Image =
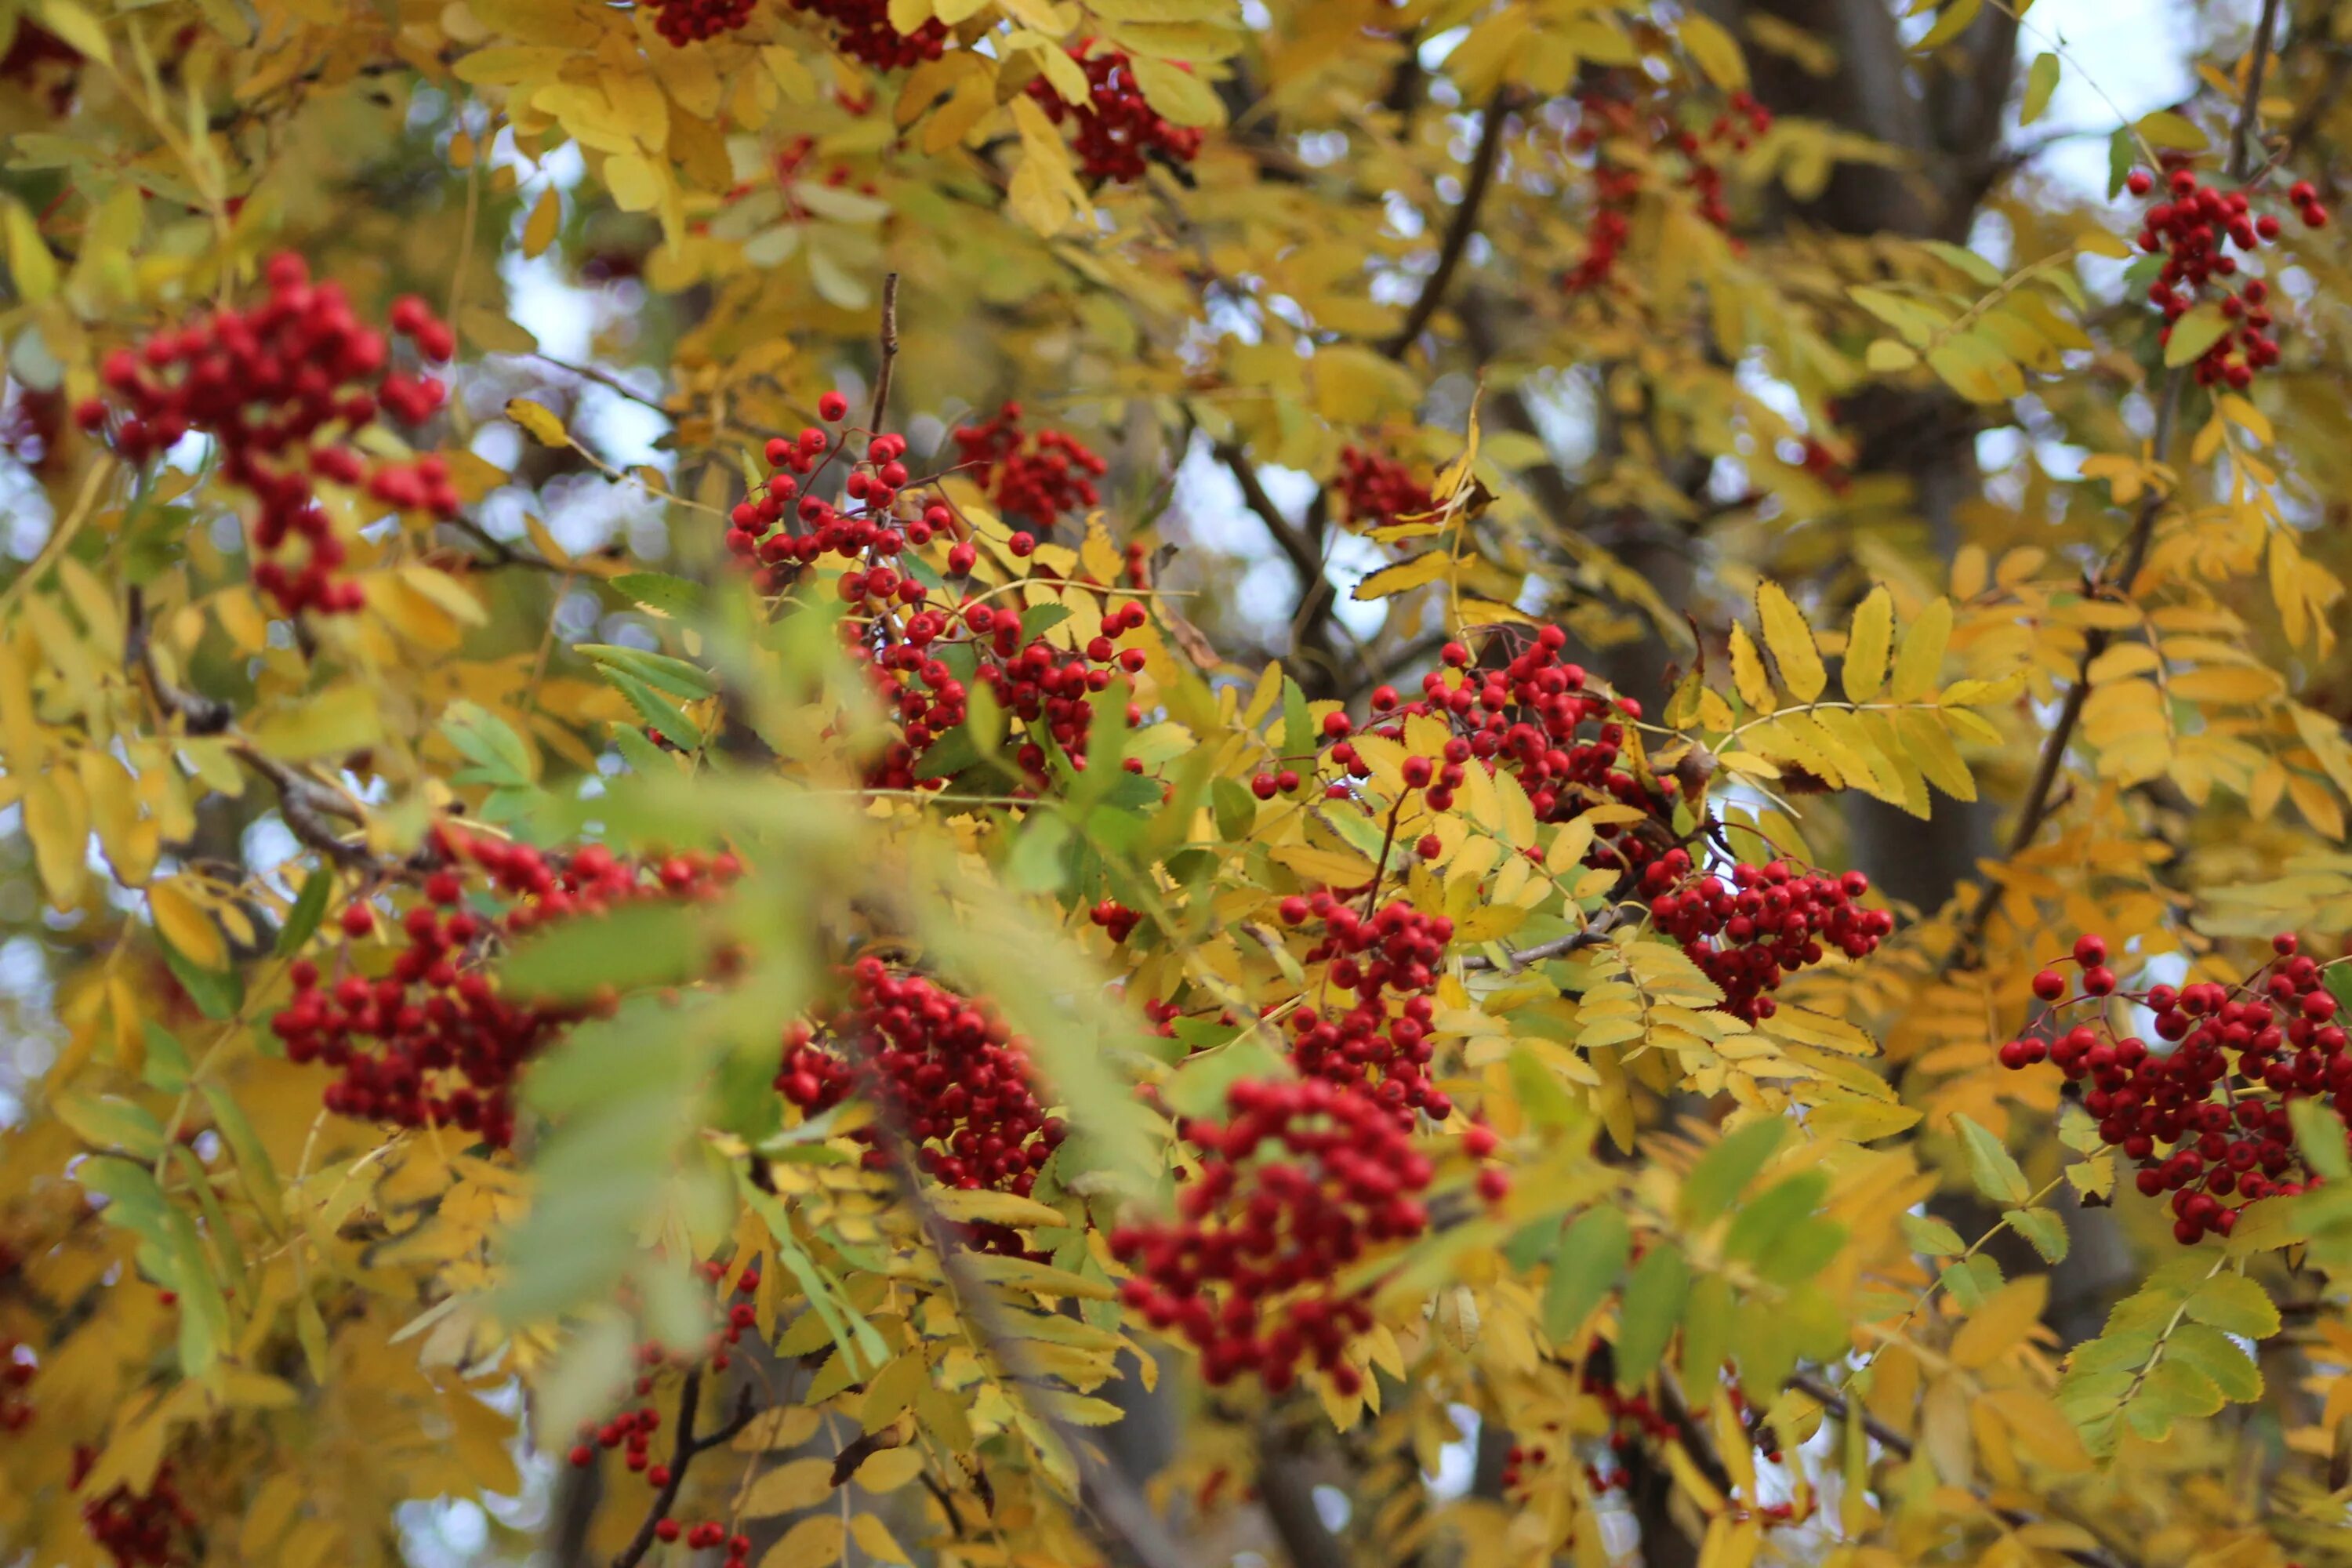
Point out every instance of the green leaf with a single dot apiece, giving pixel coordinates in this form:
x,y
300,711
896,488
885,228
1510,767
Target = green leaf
x,y
109,1122
1762,1223
1233,809
2041,81
255,1169
1808,1248
1585,1267
2319,1133
2221,1358
2235,1305
1197,1087
1933,1236
673,597
2122,154
1996,1174
658,670
2195,333
1039,862
489,743
1652,1308
1724,1172
215,994
2042,1228
949,755
167,1060
637,945
1298,729
310,907
656,711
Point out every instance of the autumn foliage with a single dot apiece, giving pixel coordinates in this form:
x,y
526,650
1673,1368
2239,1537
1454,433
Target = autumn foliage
x,y
1162,783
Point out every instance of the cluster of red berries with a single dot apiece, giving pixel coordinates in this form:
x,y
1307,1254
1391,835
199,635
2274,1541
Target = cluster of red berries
x,y
949,1071
138,1529
632,1430
1116,918
283,391
684,22
1526,714
1035,478
1827,467
1375,491
1633,107
1379,1047
1117,130
1770,922
2206,1120
2193,225
433,1040
863,30
17,1369
1246,1271
1033,683
34,54
786,524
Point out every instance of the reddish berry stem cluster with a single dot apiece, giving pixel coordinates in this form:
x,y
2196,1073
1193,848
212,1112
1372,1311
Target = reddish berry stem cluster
x,y
1034,478
1378,1047
138,1529
1375,491
1118,131
284,391
951,1074
1246,1272
1634,108
2206,1119
434,1039
2193,225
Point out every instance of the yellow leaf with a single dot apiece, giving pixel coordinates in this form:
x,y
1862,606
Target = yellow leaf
x,y
56,819
815,1542
789,1488
1922,658
2195,333
1867,645
1414,571
1179,97
2000,1322
541,422
636,185
1748,672
78,27
29,261
185,925
1716,52
890,1469
874,1537
982,1207
1791,642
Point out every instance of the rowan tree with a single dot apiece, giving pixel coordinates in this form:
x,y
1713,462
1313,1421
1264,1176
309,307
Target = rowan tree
x,y
1171,782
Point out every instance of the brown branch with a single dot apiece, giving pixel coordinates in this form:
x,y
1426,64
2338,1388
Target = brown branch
x,y
604,379
1311,627
2307,119
1594,933
1458,231
2035,808
501,553
682,1454
2248,111
1287,1493
889,346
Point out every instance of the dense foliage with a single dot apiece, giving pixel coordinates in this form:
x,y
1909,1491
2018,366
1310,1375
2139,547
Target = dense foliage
x,y
1169,782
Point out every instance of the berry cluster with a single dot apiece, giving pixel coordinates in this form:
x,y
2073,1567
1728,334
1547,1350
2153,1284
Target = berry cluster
x,y
946,1068
17,1369
1636,109
38,58
1117,130
2206,1120
1260,1241
1034,683
1391,963
2191,227
863,30
786,524
1770,922
1034,478
684,22
434,1040
283,391
632,1430
1375,491
138,1529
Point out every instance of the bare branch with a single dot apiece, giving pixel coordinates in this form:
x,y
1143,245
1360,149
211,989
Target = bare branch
x,y
682,1454
1458,232
1594,933
889,346
2250,110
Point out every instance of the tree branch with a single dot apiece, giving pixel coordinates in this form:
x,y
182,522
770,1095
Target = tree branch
x,y
1288,1494
889,352
2250,110
1594,933
1458,232
2035,807
682,1454
1311,627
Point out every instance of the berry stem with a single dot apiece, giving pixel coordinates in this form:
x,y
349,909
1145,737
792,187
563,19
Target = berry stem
x,y
682,1454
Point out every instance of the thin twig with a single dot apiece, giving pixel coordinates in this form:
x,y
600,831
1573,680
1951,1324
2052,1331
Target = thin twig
x,y
889,352
2250,111
1311,628
2035,808
1458,231
604,379
501,553
682,1454
1594,933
